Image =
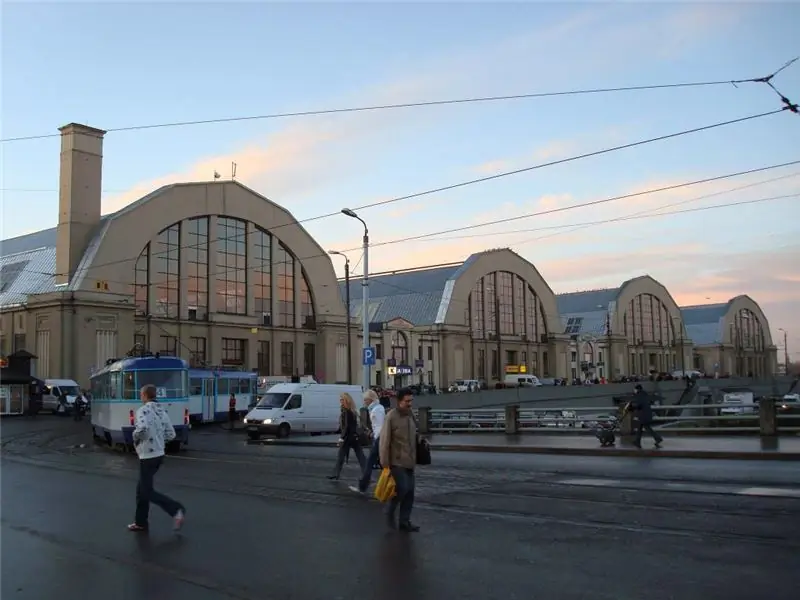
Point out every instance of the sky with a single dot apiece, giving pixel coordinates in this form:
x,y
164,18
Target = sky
x,y
115,64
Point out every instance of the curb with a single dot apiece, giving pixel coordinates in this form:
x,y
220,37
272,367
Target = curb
x,y
618,452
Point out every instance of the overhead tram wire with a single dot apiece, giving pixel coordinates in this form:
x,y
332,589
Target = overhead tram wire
x,y
133,259
579,226
579,205
421,104
637,215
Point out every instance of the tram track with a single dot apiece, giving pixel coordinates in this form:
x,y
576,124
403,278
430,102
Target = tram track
x,y
281,491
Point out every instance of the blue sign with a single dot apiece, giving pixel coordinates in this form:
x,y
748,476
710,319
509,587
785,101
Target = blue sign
x,y
368,356
403,370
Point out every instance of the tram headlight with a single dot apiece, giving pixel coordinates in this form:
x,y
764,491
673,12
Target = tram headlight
x,y
267,421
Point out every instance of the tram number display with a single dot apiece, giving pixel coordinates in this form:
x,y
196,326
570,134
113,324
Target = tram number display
x,y
161,392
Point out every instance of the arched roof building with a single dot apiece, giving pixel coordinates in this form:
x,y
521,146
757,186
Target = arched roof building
x,y
731,337
639,321
212,271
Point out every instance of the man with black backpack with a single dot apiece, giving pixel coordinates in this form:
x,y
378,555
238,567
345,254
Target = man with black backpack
x,y
376,416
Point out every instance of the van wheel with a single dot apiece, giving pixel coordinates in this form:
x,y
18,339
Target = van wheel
x,y
284,430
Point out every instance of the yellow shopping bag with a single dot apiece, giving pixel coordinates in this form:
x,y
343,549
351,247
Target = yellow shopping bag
x,y
385,488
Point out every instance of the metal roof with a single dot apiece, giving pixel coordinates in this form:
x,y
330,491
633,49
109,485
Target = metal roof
x,y
413,295
590,301
704,322
35,275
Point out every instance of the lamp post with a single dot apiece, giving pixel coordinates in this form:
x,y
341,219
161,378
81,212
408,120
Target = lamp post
x,y
347,301
785,351
364,294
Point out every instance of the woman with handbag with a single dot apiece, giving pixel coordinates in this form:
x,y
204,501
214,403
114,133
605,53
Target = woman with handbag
x,y
349,438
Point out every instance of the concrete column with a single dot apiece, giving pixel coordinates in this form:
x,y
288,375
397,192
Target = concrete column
x,y
152,291
767,421
512,419
212,266
424,418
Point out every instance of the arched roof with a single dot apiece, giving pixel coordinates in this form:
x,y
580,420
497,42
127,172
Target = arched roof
x,y
114,249
709,324
585,312
439,294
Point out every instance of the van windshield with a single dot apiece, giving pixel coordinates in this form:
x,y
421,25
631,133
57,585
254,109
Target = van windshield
x,y
69,390
272,401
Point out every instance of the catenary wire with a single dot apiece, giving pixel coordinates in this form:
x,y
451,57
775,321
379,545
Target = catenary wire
x,y
472,227
636,215
421,104
506,174
580,205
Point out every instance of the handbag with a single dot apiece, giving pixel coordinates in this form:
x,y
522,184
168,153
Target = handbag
x,y
423,451
385,489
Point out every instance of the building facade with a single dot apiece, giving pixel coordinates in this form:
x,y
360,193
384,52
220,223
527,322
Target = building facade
x,y
212,272
732,338
217,274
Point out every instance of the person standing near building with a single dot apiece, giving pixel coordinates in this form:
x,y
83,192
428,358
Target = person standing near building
x,y
398,452
152,431
377,414
643,411
232,411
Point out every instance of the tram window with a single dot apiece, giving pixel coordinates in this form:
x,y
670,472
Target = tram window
x,y
169,384
115,385
294,402
129,390
195,387
223,389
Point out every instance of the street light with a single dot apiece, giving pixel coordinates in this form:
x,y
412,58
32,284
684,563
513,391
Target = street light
x,y
364,295
785,351
347,301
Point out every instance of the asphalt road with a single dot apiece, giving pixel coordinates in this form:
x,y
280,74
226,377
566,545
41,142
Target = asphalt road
x,y
264,522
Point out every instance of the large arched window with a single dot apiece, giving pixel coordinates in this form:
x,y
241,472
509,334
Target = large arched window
x,y
504,302
167,259
231,266
241,260
197,264
647,320
262,275
141,282
747,331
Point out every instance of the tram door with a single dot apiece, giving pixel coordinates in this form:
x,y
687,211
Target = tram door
x,y
209,400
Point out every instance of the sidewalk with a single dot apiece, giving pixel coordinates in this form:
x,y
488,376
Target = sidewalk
x,y
741,448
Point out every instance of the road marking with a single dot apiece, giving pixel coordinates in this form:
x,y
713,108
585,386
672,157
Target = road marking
x,y
590,482
768,491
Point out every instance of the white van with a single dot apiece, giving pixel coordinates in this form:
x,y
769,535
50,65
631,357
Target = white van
x,y
299,407
517,380
57,390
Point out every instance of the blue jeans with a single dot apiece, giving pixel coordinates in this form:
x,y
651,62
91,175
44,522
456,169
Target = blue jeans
x,y
366,476
404,483
146,495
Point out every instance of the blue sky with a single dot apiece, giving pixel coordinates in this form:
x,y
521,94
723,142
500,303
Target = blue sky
x,y
118,64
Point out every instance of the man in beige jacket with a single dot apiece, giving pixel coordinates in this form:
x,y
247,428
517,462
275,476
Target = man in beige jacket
x,y
398,451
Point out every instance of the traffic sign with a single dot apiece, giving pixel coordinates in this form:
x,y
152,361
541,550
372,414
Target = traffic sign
x,y
368,356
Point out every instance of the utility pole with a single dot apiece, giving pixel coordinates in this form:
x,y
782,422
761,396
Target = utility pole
x,y
347,302
500,376
609,349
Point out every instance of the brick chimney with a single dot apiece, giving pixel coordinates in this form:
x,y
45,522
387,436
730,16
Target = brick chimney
x,y
79,194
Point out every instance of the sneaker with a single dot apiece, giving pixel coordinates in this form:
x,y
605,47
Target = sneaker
x,y
357,490
177,521
136,528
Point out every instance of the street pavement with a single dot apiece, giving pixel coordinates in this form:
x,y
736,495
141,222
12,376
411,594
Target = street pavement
x,y
265,522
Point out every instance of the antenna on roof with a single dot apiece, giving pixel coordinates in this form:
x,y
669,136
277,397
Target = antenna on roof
x,y
233,171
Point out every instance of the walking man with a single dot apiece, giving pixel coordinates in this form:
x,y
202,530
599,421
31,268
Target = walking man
x,y
398,451
643,411
153,430
377,414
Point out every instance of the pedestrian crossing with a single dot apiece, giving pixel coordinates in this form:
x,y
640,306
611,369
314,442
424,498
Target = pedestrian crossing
x,y
676,486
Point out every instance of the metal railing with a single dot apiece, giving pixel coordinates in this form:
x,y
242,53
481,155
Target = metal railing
x,y
694,418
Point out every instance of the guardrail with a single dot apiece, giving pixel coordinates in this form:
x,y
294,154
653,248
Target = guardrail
x,y
768,419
